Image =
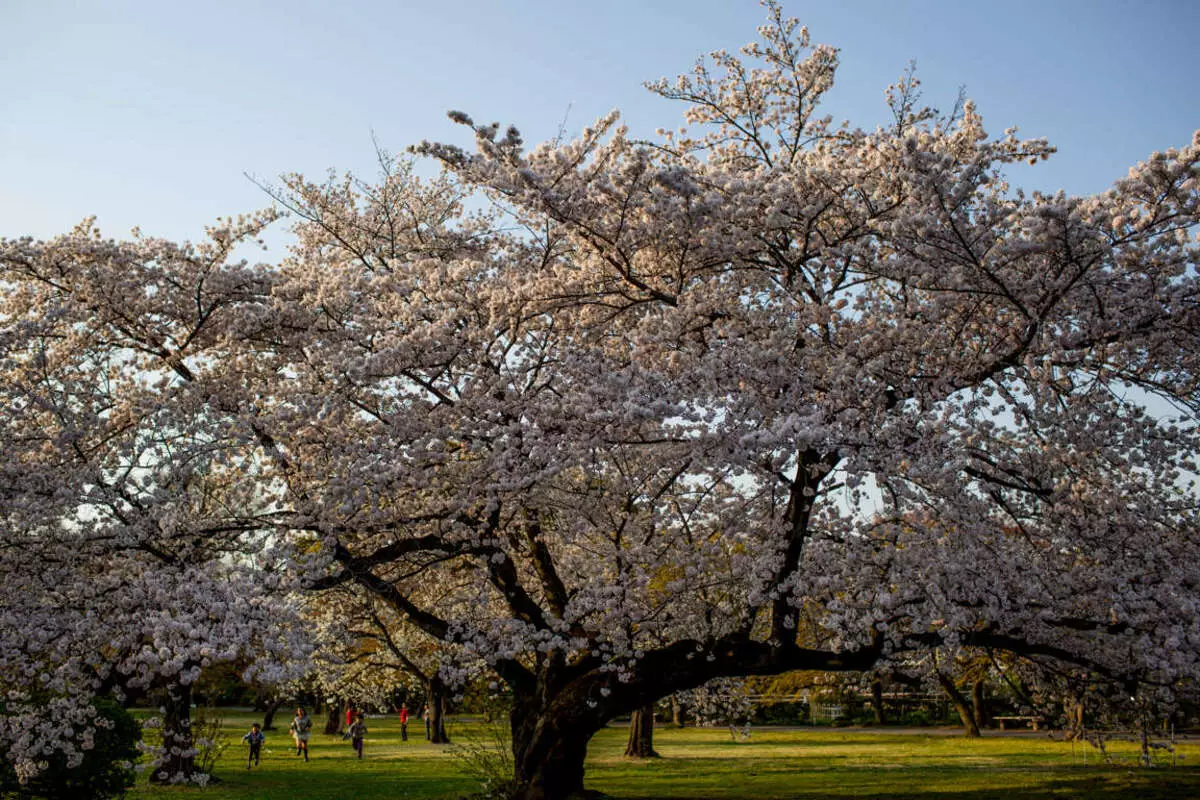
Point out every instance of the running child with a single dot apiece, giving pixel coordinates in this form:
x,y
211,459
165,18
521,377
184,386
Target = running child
x,y
301,727
256,738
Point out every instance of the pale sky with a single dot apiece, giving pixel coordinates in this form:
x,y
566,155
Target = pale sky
x,y
149,112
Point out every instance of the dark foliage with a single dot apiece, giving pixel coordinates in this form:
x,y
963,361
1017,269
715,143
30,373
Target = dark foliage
x,y
106,770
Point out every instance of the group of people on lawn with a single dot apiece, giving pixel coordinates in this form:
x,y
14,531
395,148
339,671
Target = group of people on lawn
x,y
301,728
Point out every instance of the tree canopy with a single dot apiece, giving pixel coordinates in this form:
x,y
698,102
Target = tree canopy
x,y
613,415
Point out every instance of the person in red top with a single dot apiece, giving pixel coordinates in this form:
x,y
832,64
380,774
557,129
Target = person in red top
x,y
349,714
404,722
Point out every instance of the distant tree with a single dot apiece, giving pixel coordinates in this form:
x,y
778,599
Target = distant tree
x,y
366,650
641,734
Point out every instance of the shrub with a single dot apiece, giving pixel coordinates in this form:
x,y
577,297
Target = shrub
x,y
919,718
487,757
106,770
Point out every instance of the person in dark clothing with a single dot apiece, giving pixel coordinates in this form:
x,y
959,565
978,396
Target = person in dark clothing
x,y
357,731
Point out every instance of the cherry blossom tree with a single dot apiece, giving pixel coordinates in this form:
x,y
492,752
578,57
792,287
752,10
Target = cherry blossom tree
x,y
364,652
130,555
758,325
617,433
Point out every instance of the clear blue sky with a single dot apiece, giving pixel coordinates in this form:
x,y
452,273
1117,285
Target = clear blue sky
x,y
148,112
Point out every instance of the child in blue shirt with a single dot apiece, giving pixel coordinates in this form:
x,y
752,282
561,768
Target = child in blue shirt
x,y
256,738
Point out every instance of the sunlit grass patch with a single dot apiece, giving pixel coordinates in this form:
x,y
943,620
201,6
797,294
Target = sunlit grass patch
x,y
773,764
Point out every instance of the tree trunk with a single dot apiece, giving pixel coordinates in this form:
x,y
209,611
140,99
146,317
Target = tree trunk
x,y
548,755
333,717
979,706
877,701
965,712
435,693
130,695
269,716
558,707
177,763
641,734
1073,709
677,712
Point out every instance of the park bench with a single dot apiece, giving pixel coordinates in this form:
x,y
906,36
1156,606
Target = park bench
x,y
1033,721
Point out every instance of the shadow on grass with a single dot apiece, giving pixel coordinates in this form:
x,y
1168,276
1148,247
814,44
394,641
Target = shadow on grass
x,y
1173,784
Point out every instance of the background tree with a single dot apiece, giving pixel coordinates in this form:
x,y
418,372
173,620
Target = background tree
x,y
365,652
641,733
968,711
132,546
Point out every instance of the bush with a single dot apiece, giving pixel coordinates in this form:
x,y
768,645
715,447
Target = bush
x,y
918,718
783,713
863,718
208,730
106,770
487,757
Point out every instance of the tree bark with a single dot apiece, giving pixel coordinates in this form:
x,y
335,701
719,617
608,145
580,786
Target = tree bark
x,y
269,716
435,693
677,712
877,701
641,734
333,717
1073,710
979,706
961,705
548,753
557,707
177,763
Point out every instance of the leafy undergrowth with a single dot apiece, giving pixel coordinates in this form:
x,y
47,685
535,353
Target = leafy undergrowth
x,y
773,764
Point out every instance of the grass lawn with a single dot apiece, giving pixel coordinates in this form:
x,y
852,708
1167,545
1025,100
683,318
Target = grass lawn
x,y
703,763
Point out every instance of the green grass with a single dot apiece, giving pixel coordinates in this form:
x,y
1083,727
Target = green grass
x,y
705,763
